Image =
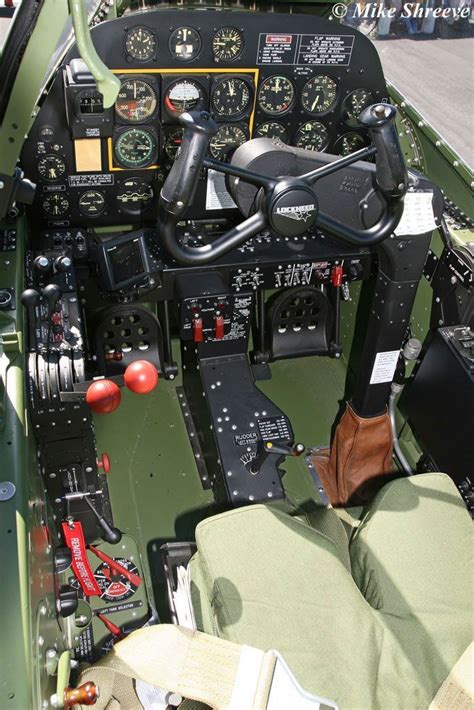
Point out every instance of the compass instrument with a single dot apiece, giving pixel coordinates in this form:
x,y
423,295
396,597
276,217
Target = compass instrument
x,y
227,44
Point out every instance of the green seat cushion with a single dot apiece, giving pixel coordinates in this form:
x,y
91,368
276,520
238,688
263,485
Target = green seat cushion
x,y
265,578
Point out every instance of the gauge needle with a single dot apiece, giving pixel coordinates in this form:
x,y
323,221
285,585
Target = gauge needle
x,y
315,103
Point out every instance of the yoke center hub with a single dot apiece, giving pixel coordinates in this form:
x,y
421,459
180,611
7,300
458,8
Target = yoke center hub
x,y
293,208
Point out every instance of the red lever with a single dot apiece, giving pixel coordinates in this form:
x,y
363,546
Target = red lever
x,y
103,396
218,326
113,628
104,463
336,275
116,566
141,377
85,694
198,334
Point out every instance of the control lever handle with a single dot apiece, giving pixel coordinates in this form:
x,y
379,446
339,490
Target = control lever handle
x,y
52,293
111,535
392,176
268,448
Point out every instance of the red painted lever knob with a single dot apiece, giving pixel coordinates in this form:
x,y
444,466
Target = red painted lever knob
x,y
85,694
104,463
103,396
141,377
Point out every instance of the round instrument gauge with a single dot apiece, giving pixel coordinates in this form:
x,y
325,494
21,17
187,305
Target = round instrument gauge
x,y
173,143
319,94
185,44
354,104
312,135
227,44
116,587
276,95
230,97
91,203
136,101
88,103
134,196
349,143
46,133
51,167
226,140
183,95
55,204
272,129
141,43
135,148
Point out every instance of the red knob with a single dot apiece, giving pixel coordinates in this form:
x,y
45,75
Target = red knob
x,y
141,377
336,275
85,694
103,396
104,463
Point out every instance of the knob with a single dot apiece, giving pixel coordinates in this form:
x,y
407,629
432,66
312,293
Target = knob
x,y
141,377
52,293
42,266
103,396
268,448
63,263
85,694
30,298
62,559
111,535
104,463
67,601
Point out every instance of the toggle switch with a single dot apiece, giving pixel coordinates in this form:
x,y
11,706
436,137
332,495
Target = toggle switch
x,y
198,334
218,326
337,273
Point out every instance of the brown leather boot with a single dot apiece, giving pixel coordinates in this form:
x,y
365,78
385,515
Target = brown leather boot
x,y
359,459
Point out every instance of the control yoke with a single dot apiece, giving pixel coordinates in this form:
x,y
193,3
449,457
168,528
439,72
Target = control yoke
x,y
280,197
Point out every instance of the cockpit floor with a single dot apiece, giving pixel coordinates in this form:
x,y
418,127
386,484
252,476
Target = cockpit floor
x,y
155,490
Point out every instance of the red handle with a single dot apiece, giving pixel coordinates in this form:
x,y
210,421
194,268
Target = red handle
x,y
116,566
104,463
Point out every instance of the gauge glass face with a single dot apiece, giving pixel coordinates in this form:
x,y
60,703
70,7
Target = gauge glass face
x,y
349,143
231,97
136,101
272,129
135,148
183,95
227,44
141,43
312,135
91,203
355,103
226,140
51,167
90,103
173,143
134,196
319,94
46,133
56,204
185,44
276,95
116,587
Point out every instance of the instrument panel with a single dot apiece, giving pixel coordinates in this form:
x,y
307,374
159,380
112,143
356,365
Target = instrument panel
x,y
296,78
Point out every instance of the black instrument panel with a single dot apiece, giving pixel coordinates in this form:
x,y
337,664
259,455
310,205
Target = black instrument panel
x,y
298,78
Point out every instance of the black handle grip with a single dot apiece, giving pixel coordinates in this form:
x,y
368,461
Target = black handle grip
x,y
392,177
182,180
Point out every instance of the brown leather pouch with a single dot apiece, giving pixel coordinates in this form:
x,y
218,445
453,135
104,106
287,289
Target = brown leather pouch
x,y
359,460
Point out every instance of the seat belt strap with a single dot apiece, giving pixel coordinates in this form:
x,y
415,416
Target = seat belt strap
x,y
457,691
222,674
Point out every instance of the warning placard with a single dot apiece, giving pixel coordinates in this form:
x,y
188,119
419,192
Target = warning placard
x,y
305,50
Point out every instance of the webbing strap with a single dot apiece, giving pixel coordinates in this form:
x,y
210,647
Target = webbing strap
x,y
457,691
199,667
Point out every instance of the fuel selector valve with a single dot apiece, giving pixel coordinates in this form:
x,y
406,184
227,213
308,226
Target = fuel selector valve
x,y
268,448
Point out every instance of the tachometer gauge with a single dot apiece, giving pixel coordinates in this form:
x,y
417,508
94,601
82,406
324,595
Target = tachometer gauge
x,y
55,204
173,143
319,94
276,95
272,129
227,44
135,148
349,143
312,135
91,203
141,43
226,140
51,167
183,95
136,101
134,196
354,104
185,44
230,97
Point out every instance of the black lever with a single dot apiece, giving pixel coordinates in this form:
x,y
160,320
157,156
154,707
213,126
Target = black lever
x,y
111,535
268,448
52,293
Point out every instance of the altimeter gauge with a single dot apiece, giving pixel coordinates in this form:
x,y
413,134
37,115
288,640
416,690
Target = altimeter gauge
x,y
230,97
